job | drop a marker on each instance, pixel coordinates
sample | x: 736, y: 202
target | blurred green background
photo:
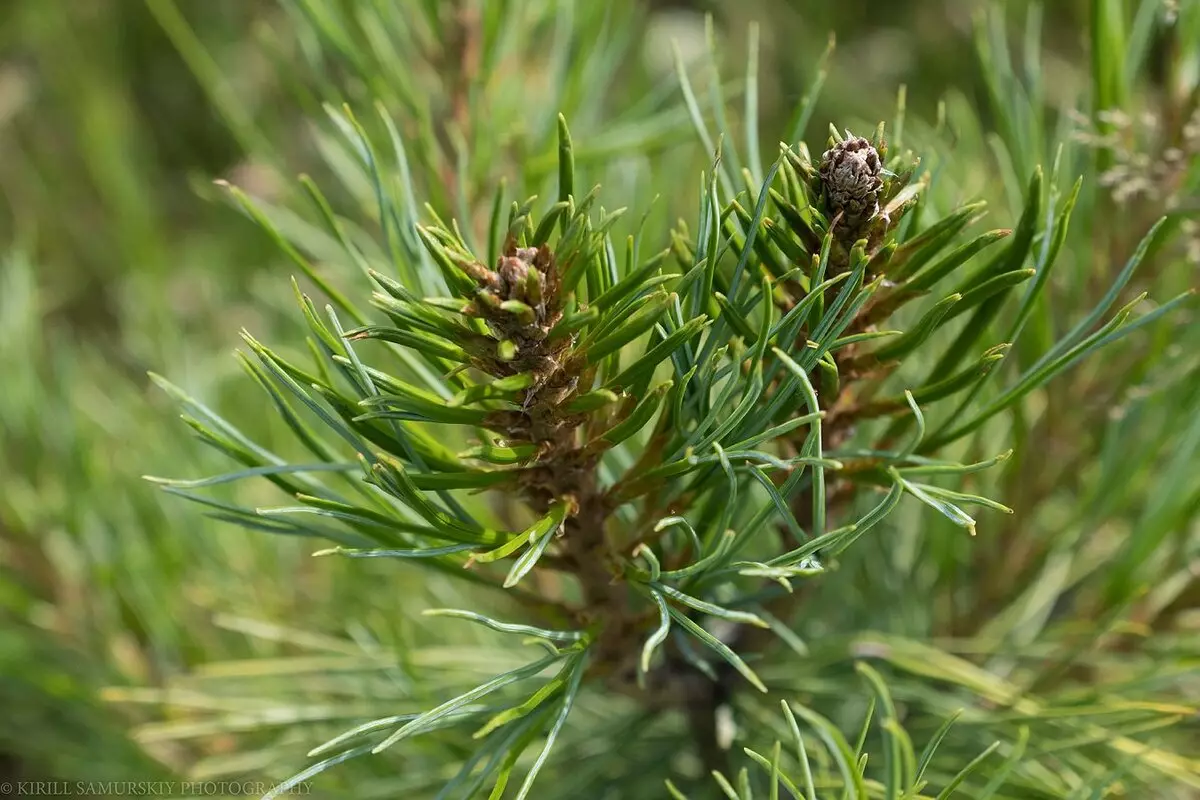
x: 117, y: 258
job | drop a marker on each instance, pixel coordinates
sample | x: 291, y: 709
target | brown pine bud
x: 850, y: 177
x: 514, y: 271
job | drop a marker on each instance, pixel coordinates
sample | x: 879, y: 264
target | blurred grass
x: 120, y: 261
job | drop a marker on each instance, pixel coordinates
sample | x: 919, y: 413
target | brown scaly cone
x: 851, y: 182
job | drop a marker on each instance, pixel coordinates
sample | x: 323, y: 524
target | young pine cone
x: 514, y: 296
x: 850, y: 177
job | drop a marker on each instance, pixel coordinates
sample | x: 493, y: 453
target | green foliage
x: 701, y: 468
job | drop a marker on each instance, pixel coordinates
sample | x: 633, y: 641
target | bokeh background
x: 118, y: 257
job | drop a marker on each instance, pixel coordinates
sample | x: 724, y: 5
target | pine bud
x: 850, y: 177
x: 514, y: 272
x: 515, y: 298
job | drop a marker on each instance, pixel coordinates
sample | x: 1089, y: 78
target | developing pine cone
x: 516, y: 297
x: 850, y: 177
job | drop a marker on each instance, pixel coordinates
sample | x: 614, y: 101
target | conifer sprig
x: 655, y: 457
